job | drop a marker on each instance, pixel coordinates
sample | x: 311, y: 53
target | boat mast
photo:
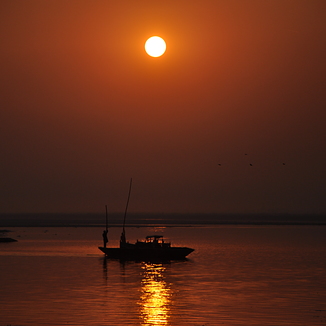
x: 123, y: 235
x: 106, y: 218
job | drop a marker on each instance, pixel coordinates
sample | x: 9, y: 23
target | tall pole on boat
x: 123, y: 236
x: 106, y: 218
x: 105, y: 232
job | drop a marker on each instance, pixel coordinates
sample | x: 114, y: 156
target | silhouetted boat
x: 152, y: 248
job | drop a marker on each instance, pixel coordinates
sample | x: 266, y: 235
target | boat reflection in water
x: 156, y: 295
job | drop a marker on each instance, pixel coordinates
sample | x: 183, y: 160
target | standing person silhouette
x: 105, y: 237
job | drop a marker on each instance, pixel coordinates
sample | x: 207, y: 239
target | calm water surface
x: 237, y: 276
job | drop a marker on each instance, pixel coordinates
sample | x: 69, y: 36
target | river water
x: 248, y: 275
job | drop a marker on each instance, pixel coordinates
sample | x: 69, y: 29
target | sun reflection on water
x: 155, y: 299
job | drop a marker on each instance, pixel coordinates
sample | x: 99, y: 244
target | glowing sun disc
x: 155, y: 46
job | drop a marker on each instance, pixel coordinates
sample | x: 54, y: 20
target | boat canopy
x: 154, y: 236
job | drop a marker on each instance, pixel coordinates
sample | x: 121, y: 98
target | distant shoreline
x: 156, y: 220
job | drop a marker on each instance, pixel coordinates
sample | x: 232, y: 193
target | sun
x: 155, y: 46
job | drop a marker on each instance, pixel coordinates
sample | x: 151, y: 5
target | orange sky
x: 83, y: 108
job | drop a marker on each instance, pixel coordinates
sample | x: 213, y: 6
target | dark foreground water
x: 249, y: 275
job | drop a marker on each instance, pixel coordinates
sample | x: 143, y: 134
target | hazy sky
x: 84, y: 108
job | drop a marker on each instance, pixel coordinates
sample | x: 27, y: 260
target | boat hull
x: 171, y: 253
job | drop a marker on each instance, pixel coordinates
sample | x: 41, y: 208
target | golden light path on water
x: 155, y: 299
